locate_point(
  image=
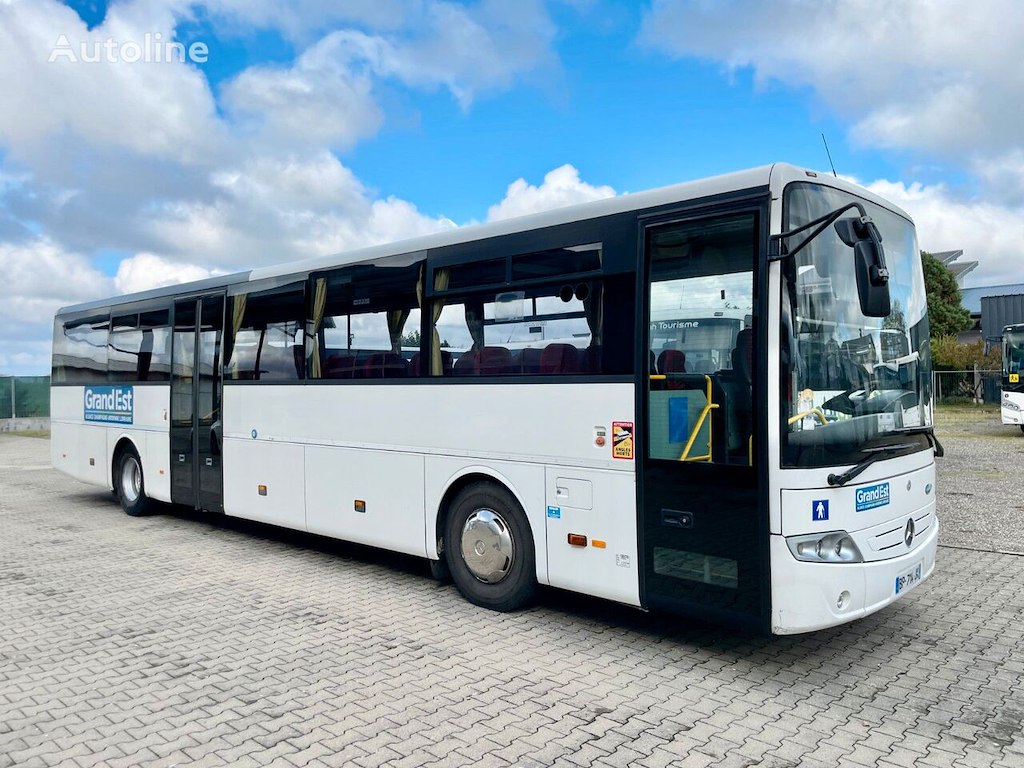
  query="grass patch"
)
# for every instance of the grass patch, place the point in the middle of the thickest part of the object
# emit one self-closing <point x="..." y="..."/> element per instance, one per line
<point x="973" y="422"/>
<point x="967" y="408"/>
<point x="44" y="433"/>
<point x="967" y="413"/>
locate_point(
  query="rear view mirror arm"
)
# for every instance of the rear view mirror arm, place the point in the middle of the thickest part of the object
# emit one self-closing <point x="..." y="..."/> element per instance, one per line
<point x="778" y="249"/>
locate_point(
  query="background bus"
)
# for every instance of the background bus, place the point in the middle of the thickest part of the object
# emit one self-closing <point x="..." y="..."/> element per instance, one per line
<point x="1011" y="408"/>
<point x="710" y="399"/>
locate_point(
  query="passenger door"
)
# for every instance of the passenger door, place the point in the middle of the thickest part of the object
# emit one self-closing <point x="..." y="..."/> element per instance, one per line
<point x="196" y="395"/>
<point x="703" y="517"/>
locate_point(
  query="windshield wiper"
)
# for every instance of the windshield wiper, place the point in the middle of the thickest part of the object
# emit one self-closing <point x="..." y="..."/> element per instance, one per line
<point x="876" y="454"/>
<point x="928" y="432"/>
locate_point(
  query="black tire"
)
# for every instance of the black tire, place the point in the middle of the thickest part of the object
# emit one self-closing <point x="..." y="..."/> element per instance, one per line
<point x="1022" y="427"/>
<point x="130" y="486"/>
<point x="439" y="570"/>
<point x="500" y="571"/>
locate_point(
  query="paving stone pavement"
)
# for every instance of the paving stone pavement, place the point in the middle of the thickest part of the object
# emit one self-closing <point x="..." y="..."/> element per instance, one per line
<point x="183" y="640"/>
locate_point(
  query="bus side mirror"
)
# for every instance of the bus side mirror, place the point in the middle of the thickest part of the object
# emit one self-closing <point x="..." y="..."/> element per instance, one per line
<point x="869" y="265"/>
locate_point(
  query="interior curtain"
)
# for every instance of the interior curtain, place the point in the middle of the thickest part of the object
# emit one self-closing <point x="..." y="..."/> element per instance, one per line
<point x="237" y="314"/>
<point x="440" y="284"/>
<point x="319" y="305"/>
<point x="396" y="322"/>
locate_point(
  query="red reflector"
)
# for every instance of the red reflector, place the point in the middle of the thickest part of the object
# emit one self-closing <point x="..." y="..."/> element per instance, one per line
<point x="577" y="540"/>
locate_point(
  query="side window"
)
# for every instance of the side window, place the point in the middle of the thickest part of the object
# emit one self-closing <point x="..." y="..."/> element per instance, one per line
<point x="527" y="328"/>
<point x="155" y="327"/>
<point x="700" y="339"/>
<point x="365" y="323"/>
<point x="265" y="335"/>
<point x="80" y="350"/>
<point x="140" y="347"/>
<point x="125" y="344"/>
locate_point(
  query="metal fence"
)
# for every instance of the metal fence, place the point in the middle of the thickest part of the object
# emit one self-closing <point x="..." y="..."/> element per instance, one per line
<point x="23" y="397"/>
<point x="966" y="386"/>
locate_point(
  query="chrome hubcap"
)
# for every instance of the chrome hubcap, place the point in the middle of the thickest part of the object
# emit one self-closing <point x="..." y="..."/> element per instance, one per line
<point x="131" y="480"/>
<point x="487" y="546"/>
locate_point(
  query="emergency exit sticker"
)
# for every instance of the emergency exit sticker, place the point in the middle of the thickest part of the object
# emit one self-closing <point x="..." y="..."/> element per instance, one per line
<point x="622" y="440"/>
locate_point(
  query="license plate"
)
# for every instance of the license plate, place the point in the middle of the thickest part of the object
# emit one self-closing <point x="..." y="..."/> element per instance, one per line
<point x="907" y="581"/>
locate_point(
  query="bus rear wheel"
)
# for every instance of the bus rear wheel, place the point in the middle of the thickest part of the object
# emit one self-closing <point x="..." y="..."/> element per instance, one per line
<point x="130" y="484"/>
<point x="489" y="548"/>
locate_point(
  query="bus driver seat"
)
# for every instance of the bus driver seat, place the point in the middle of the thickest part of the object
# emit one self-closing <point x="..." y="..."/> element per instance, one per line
<point x="742" y="405"/>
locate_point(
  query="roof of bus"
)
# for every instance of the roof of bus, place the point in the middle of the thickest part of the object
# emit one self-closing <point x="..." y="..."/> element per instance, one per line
<point x="775" y="176"/>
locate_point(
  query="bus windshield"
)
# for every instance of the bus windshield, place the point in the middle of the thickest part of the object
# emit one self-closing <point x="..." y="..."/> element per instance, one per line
<point x="1013" y="350"/>
<point x="851" y="381"/>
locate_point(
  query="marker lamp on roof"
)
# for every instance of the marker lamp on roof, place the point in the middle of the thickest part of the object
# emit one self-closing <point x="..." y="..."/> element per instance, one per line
<point x="832" y="547"/>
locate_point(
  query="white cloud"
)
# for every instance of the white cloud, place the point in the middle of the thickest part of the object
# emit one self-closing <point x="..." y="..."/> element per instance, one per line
<point x="147" y="159"/>
<point x="147" y="270"/>
<point x="275" y="209"/>
<point x="137" y="157"/>
<point x="942" y="78"/>
<point x="471" y="50"/>
<point x="39" y="278"/>
<point x="467" y="49"/>
<point x="561" y="187"/>
<point x="322" y="100"/>
<point x="987" y="232"/>
<point x="31" y="357"/>
<point x="1004" y="178"/>
<point x="158" y="110"/>
<point x="302" y="21"/>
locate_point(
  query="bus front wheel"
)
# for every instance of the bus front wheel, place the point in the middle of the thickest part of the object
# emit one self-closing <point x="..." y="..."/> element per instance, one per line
<point x="131" y="487"/>
<point x="489" y="549"/>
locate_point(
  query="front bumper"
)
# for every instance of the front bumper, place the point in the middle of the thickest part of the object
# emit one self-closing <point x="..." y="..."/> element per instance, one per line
<point x="811" y="596"/>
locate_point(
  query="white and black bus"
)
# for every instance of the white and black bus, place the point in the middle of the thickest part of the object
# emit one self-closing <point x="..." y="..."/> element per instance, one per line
<point x="712" y="399"/>
<point x="1011" y="404"/>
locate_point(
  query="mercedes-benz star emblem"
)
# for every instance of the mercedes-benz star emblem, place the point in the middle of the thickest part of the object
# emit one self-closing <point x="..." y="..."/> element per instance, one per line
<point x="908" y="532"/>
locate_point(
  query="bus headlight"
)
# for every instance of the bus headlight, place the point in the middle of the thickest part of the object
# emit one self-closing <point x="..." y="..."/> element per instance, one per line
<point x="1010" y="405"/>
<point x="833" y="547"/>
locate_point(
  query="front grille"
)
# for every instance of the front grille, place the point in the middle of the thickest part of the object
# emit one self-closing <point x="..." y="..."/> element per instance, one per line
<point x="888" y="540"/>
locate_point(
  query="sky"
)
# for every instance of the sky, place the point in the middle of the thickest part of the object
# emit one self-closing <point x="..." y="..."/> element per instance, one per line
<point x="149" y="142"/>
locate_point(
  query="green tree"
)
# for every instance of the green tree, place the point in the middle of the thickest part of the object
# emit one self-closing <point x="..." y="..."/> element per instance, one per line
<point x="411" y="339"/>
<point x="897" y="319"/>
<point x="946" y="316"/>
<point x="950" y="355"/>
